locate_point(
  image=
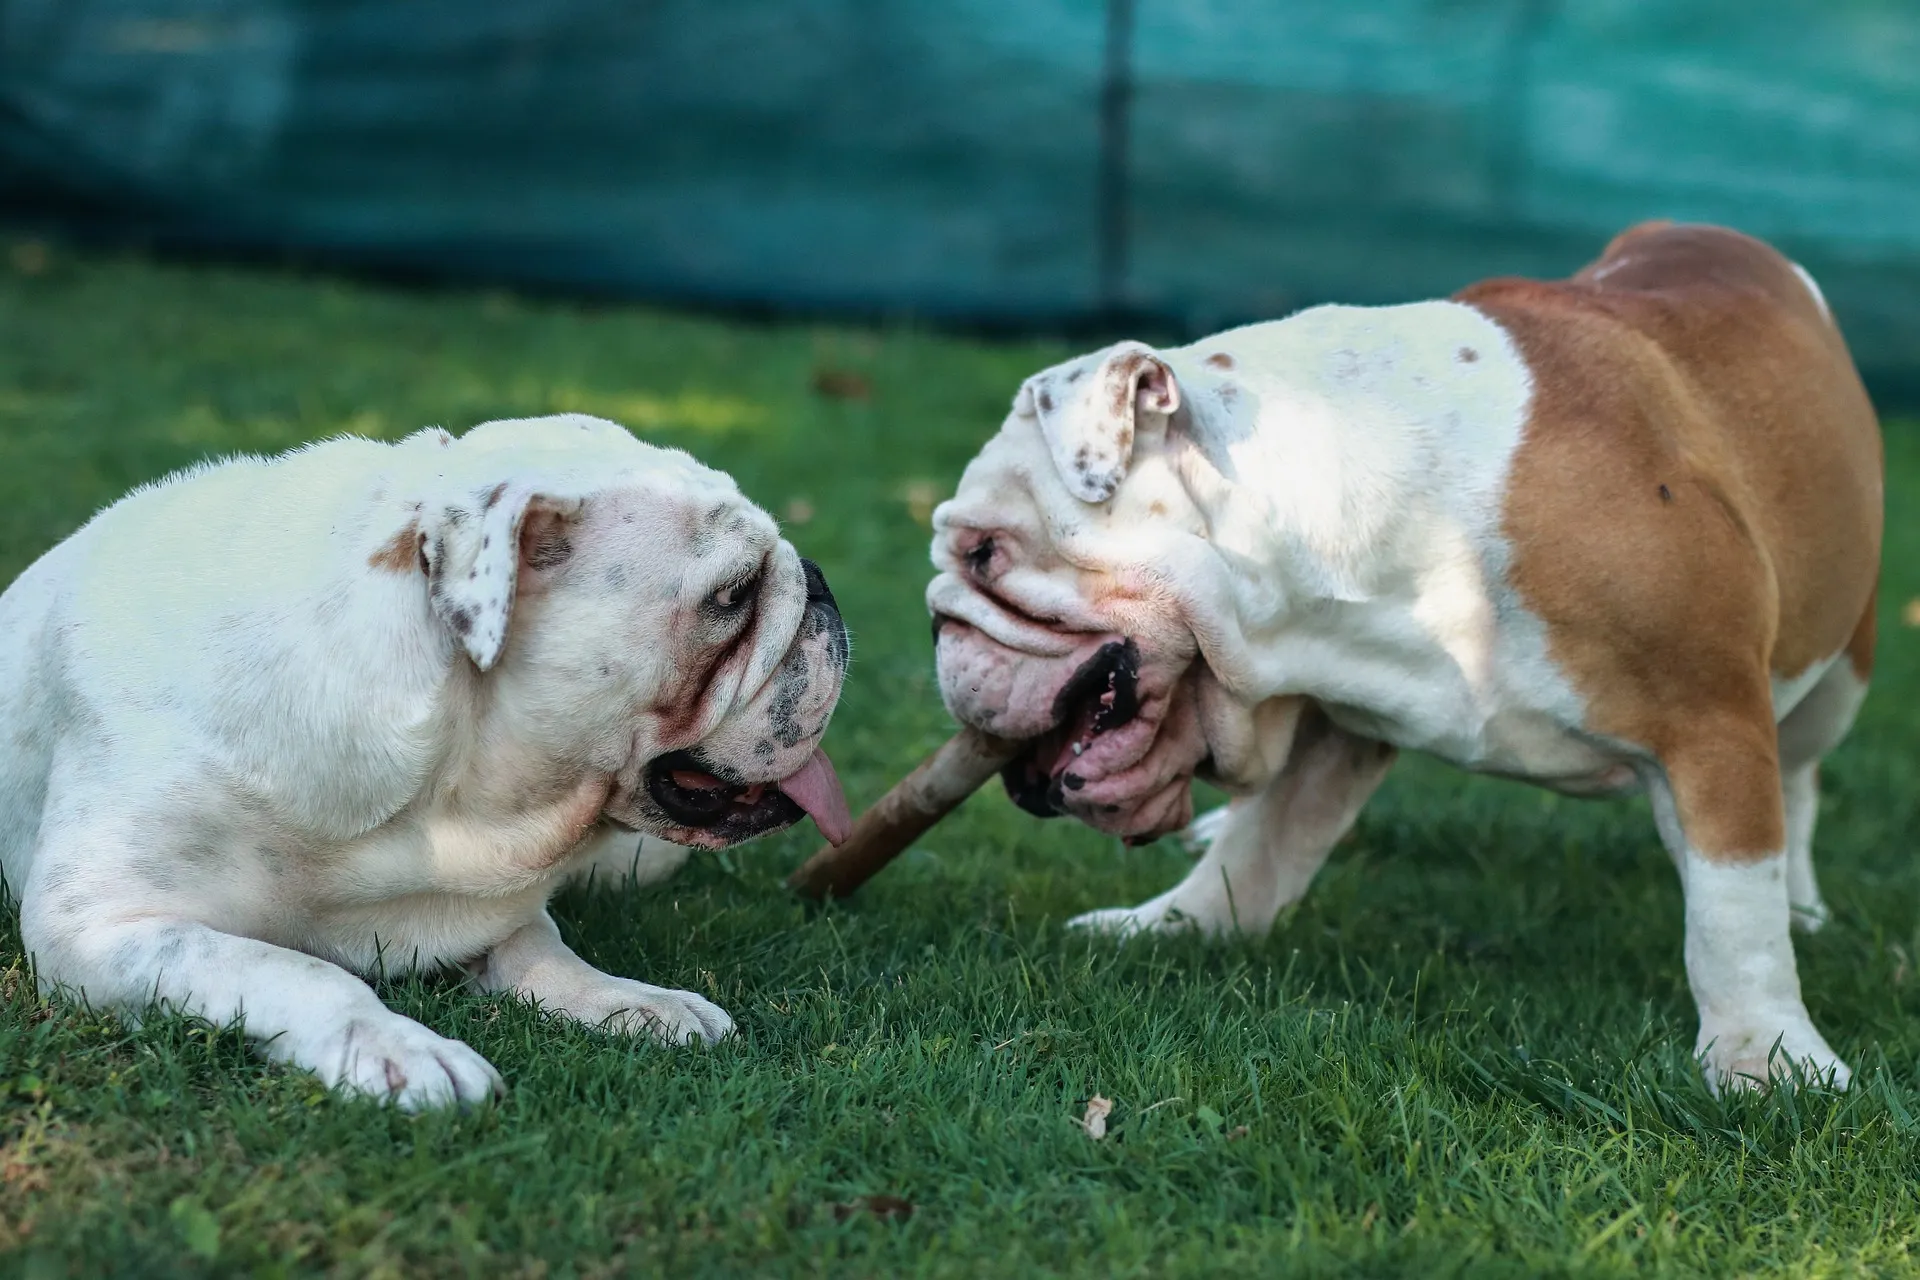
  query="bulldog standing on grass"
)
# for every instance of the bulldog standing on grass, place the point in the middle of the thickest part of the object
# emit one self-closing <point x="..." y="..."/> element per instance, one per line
<point x="1618" y="533"/>
<point x="271" y="723"/>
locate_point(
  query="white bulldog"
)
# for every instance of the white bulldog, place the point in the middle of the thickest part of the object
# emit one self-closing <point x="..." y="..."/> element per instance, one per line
<point x="271" y="723"/>
<point x="1610" y="534"/>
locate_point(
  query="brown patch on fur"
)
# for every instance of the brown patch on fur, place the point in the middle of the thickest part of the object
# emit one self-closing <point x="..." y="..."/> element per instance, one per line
<point x="1700" y="364"/>
<point x="684" y="702"/>
<point x="493" y="496"/>
<point x="400" y="553"/>
<point x="1466" y="355"/>
<point x="1220" y="360"/>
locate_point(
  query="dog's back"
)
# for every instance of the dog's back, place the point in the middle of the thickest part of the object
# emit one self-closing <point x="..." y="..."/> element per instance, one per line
<point x="1692" y="379"/>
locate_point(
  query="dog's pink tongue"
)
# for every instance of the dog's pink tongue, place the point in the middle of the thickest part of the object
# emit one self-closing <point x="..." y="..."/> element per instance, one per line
<point x="816" y="788"/>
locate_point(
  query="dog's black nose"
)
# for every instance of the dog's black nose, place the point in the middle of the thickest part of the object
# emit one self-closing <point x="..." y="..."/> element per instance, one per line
<point x="818" y="592"/>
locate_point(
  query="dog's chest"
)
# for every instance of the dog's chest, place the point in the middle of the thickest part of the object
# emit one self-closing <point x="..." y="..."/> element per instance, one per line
<point x="439" y="884"/>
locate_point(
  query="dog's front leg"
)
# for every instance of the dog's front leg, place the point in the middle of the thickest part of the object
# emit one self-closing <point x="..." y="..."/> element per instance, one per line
<point x="1268" y="846"/>
<point x="536" y="964"/>
<point x="302" y="1010"/>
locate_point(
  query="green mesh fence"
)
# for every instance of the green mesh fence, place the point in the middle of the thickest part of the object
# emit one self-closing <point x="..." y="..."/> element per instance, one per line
<point x="1022" y="161"/>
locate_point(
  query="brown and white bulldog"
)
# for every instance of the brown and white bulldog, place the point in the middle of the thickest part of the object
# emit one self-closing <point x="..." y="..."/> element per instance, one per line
<point x="1609" y="534"/>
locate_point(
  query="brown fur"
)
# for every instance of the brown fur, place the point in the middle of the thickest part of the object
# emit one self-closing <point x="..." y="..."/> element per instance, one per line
<point x="399" y="553"/>
<point x="1695" y="505"/>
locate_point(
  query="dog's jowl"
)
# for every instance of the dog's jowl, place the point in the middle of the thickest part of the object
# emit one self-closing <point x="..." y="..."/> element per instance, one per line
<point x="1609" y="534"/>
<point x="274" y="723"/>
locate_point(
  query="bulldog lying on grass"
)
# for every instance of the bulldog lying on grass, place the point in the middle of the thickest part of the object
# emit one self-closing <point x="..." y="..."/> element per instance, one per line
<point x="271" y="723"/>
<point x="1613" y="534"/>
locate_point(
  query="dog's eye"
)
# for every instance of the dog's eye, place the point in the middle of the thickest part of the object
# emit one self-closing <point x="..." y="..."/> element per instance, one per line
<point x="735" y="594"/>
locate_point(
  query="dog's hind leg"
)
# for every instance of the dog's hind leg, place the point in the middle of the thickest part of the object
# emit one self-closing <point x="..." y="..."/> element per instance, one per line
<point x="1719" y="775"/>
<point x="1810" y="731"/>
<point x="1268" y="846"/>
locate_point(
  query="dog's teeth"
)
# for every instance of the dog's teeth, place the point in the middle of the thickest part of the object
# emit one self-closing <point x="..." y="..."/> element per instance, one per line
<point x="1078" y="748"/>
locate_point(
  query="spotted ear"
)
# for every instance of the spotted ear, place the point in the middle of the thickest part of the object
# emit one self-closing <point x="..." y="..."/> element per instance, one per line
<point x="1091" y="414"/>
<point x="479" y="555"/>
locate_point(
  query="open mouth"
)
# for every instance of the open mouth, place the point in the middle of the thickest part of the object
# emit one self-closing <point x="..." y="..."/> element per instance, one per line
<point x="1101" y="698"/>
<point x="692" y="796"/>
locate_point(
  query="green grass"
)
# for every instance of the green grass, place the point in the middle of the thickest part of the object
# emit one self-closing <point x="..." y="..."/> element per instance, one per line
<point x="1465" y="1053"/>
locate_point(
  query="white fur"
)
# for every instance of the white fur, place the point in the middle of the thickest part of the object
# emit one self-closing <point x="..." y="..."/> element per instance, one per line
<point x="245" y="756"/>
<point x="1741" y="968"/>
<point x="1806" y="278"/>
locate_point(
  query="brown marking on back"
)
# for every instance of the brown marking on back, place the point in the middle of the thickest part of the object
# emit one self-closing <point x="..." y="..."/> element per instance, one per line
<point x="1697" y="420"/>
<point x="1220" y="360"/>
<point x="400" y="553"/>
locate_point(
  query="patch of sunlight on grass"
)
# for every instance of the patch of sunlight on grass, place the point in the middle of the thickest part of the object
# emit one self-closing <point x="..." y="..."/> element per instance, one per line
<point x="200" y="426"/>
<point x="204" y="428"/>
<point x="690" y="410"/>
<point x="29" y="404"/>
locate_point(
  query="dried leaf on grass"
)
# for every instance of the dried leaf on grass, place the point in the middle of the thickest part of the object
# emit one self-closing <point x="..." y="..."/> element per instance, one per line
<point x="1095" y="1121"/>
<point x="30" y="257"/>
<point x="1911" y="614"/>
<point x="841" y="384"/>
<point x="885" y="1208"/>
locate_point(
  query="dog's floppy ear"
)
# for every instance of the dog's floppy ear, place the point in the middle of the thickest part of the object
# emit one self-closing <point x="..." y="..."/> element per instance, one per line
<point x="477" y="553"/>
<point x="1090" y="415"/>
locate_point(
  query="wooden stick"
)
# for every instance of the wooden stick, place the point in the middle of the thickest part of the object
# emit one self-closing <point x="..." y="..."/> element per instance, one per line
<point x="904" y="814"/>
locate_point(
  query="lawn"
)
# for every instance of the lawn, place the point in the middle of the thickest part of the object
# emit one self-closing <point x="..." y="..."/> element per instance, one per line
<point x="1466" y="1053"/>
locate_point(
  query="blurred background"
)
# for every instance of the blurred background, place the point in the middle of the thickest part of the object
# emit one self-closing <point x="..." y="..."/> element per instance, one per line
<point x="1018" y="164"/>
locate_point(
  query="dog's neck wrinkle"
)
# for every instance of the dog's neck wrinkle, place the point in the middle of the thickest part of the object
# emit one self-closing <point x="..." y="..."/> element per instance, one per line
<point x="1287" y="519"/>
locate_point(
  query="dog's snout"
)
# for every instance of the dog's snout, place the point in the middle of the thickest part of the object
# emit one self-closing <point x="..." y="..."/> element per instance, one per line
<point x="818" y="592"/>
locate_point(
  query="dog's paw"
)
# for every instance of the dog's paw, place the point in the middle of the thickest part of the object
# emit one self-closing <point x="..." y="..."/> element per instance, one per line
<point x="1156" y="916"/>
<point x="398" y="1061"/>
<point x="1736" y="1057"/>
<point x="626" y="1007"/>
<point x="1811" y="916"/>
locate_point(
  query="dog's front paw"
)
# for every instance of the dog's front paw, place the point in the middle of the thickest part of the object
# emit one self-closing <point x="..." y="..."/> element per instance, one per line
<point x="398" y="1061"/>
<point x="1157" y="916"/>
<point x="1745" y="1057"/>
<point x="626" y="1007"/>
